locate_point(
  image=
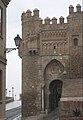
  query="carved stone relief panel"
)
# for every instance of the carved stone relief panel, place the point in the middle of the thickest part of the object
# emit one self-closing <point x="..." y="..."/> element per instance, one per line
<point x="53" y="69"/>
<point x="52" y="48"/>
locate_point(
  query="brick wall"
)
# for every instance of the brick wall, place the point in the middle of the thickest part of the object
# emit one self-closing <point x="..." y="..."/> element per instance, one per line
<point x="68" y="109"/>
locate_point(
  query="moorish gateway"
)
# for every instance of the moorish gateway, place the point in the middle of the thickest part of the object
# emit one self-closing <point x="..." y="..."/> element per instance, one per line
<point x="52" y="65"/>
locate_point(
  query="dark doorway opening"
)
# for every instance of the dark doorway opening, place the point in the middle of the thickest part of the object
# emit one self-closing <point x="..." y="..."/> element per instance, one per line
<point x="55" y="88"/>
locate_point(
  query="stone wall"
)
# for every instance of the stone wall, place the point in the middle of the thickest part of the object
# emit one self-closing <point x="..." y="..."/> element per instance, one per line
<point x="3" y="5"/>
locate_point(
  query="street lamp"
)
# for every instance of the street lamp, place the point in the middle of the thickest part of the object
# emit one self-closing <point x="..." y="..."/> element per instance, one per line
<point x="9" y="92"/>
<point x="13" y="92"/>
<point x="17" y="41"/>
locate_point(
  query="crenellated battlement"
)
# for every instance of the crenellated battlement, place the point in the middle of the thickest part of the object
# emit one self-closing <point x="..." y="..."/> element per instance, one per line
<point x="49" y="29"/>
<point x="32" y="23"/>
<point x="27" y="16"/>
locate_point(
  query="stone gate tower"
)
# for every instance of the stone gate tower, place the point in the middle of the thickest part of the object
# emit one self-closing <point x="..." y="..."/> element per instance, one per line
<point x="52" y="66"/>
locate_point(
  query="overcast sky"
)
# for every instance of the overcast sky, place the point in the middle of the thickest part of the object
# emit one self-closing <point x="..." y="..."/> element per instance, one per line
<point x="50" y="8"/>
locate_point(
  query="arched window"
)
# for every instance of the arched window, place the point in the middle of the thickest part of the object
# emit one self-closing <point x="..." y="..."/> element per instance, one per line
<point x="75" y="42"/>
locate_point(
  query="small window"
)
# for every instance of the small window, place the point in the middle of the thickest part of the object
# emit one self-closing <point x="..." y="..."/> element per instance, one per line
<point x="30" y="52"/>
<point x="0" y="85"/>
<point x="0" y="21"/>
<point x="54" y="47"/>
<point x="75" y="42"/>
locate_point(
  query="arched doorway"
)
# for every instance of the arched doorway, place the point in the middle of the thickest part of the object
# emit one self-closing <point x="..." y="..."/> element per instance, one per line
<point x="53" y="84"/>
<point x="55" y="89"/>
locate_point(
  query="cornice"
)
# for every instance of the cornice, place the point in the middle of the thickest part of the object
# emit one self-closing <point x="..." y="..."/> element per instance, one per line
<point x="6" y="2"/>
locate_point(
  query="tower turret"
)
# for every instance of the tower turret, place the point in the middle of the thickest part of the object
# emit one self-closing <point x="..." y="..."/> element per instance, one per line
<point x="78" y="8"/>
<point x="28" y="13"/>
<point x="61" y="19"/>
<point x="71" y="9"/>
<point x="36" y="12"/>
<point x="47" y="20"/>
<point x="54" y="20"/>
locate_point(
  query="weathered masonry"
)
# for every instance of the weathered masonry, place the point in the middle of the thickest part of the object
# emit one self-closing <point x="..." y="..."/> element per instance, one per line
<point x="52" y="64"/>
<point x="3" y="6"/>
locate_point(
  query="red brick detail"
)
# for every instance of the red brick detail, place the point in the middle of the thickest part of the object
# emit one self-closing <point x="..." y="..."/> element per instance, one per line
<point x="66" y="112"/>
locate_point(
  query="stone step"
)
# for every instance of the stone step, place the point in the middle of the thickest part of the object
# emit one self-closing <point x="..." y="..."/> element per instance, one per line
<point x="54" y="115"/>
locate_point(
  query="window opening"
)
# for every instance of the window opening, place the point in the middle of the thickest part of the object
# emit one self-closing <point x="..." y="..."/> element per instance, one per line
<point x="75" y="42"/>
<point x="54" y="47"/>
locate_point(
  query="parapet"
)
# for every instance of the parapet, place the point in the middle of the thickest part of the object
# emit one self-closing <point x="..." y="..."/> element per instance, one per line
<point x="78" y="8"/>
<point x="28" y="13"/>
<point x="54" y="20"/>
<point x="27" y="16"/>
<point x="61" y="20"/>
<point x="71" y="8"/>
<point x="36" y="12"/>
<point x="47" y="20"/>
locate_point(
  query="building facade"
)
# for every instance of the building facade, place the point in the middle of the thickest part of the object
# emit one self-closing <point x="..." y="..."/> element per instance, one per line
<point x="52" y="65"/>
<point x="3" y="5"/>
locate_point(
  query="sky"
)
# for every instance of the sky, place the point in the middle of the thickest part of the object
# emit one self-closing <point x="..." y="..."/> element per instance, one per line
<point x="48" y="8"/>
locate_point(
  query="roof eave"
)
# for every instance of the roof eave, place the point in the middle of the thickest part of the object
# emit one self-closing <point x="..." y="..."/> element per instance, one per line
<point x="6" y="2"/>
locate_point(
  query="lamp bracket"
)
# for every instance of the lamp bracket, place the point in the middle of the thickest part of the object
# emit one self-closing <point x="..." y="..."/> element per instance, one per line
<point x="9" y="50"/>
